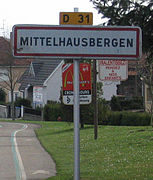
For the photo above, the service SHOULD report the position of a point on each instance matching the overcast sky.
(40, 12)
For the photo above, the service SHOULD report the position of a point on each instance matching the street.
(21, 155)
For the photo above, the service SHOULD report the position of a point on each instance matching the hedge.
(22, 102)
(123, 118)
(123, 103)
(52, 112)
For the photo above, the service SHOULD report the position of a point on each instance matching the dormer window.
(31, 70)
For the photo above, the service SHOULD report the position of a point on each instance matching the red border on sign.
(137, 30)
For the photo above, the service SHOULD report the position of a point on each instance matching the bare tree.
(129, 13)
(145, 72)
(8, 76)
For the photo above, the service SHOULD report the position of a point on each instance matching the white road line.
(41, 172)
(16, 153)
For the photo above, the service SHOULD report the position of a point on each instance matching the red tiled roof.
(4, 51)
(4, 43)
(132, 73)
(22, 62)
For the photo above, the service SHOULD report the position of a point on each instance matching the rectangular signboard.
(85, 83)
(76, 18)
(110, 70)
(88, 42)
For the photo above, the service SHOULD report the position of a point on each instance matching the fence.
(21, 112)
(3, 111)
(17, 112)
(31, 114)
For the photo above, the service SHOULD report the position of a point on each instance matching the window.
(148, 95)
(3, 75)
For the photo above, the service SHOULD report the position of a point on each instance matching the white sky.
(40, 12)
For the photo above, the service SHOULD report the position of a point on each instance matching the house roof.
(4, 43)
(38, 72)
(6, 55)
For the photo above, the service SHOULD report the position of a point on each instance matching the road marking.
(41, 172)
(0, 126)
(20, 172)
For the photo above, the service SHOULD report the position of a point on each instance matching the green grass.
(119, 153)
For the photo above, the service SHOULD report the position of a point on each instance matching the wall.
(53, 85)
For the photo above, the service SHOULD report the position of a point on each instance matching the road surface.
(21, 155)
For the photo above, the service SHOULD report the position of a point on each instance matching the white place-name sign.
(77, 42)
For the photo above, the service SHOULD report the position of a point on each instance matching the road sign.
(76, 18)
(85, 83)
(113, 70)
(77, 42)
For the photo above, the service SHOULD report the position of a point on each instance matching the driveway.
(21, 155)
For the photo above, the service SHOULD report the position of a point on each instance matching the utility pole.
(95, 99)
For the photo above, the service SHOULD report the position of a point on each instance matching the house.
(130, 87)
(42, 81)
(11, 69)
(133, 85)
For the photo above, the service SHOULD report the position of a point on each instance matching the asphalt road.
(21, 155)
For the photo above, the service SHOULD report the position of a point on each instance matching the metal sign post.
(76, 112)
(76, 109)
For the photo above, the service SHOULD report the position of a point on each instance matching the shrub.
(23, 102)
(105, 116)
(124, 103)
(86, 114)
(114, 118)
(52, 112)
(103, 111)
(128, 119)
(66, 112)
(2, 103)
(115, 104)
(2, 96)
(133, 103)
(135, 119)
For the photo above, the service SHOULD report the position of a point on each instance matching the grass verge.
(119, 153)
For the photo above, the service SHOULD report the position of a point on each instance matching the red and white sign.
(90, 42)
(113, 70)
(85, 83)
